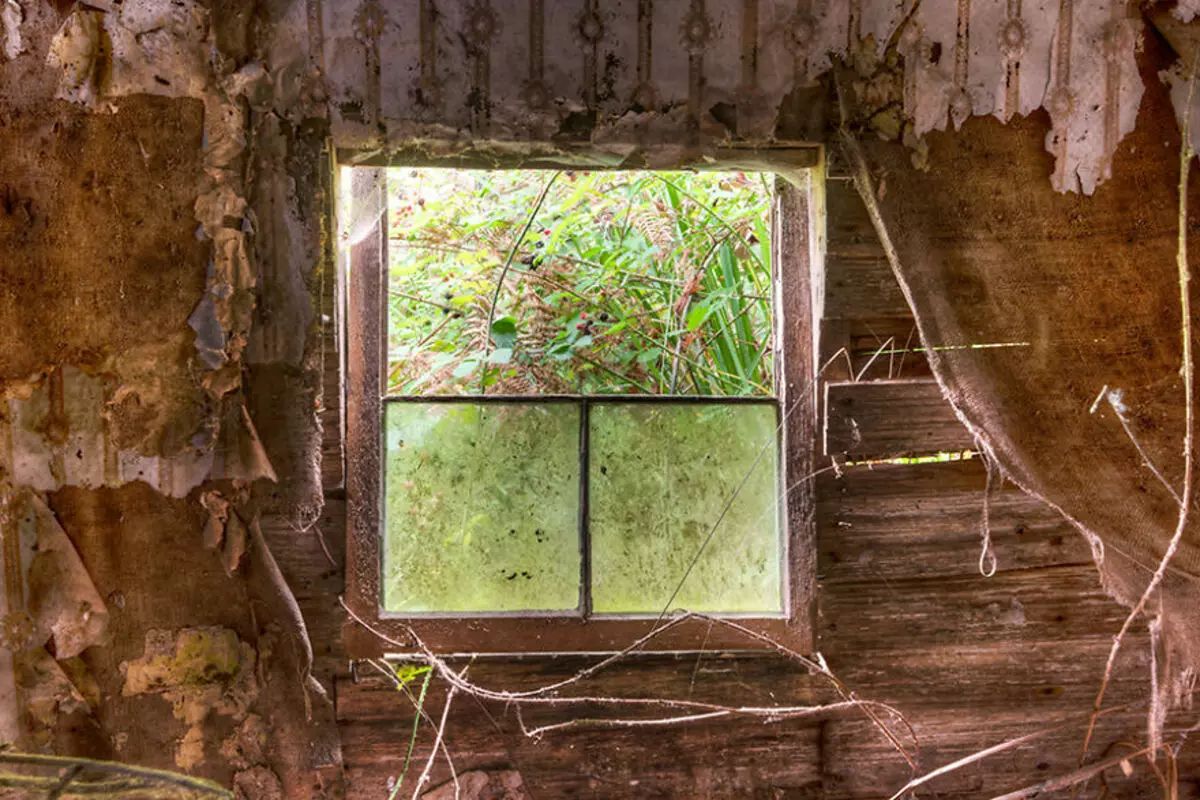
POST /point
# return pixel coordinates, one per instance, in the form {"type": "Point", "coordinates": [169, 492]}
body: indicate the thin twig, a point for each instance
{"type": "Point", "coordinates": [979, 755]}
{"type": "Point", "coordinates": [65, 782]}
{"type": "Point", "coordinates": [699, 658]}
{"type": "Point", "coordinates": [117, 787]}
{"type": "Point", "coordinates": [604, 368]}
{"type": "Point", "coordinates": [419, 705]}
{"type": "Point", "coordinates": [881, 349]}
{"type": "Point", "coordinates": [1070, 779]}
{"type": "Point", "coordinates": [724, 222]}
{"type": "Point", "coordinates": [316, 529]}
{"type": "Point", "coordinates": [424, 301]}
{"type": "Point", "coordinates": [1114, 400]}
{"type": "Point", "coordinates": [437, 743]}
{"type": "Point", "coordinates": [512, 253]}
{"type": "Point", "coordinates": [421, 714]}
{"type": "Point", "coordinates": [142, 773]}
{"type": "Point", "coordinates": [800, 712]}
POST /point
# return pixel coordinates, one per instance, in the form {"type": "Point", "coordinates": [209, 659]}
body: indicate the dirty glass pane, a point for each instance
{"type": "Point", "coordinates": [659, 477]}
{"type": "Point", "coordinates": [482, 507]}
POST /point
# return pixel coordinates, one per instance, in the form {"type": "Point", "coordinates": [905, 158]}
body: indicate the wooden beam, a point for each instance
{"type": "Point", "coordinates": [797, 378]}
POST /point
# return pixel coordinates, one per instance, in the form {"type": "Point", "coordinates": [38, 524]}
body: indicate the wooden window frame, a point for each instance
{"type": "Point", "coordinates": [795, 255]}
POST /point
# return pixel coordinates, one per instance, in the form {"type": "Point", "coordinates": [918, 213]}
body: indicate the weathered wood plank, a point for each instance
{"type": "Point", "coordinates": [315, 582]}
{"type": "Point", "coordinates": [895, 521]}
{"type": "Point", "coordinates": [705, 760]}
{"type": "Point", "coordinates": [732, 758]}
{"type": "Point", "coordinates": [799, 393]}
{"type": "Point", "coordinates": [860, 763]}
{"type": "Point", "coordinates": [858, 279]}
{"type": "Point", "coordinates": [997, 677]}
{"type": "Point", "coordinates": [859, 285]}
{"type": "Point", "coordinates": [1030, 606]}
{"type": "Point", "coordinates": [884, 419]}
{"type": "Point", "coordinates": [332, 455]}
{"type": "Point", "coordinates": [847, 222]}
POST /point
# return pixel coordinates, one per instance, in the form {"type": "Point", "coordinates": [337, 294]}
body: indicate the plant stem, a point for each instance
{"type": "Point", "coordinates": [512, 252]}
{"type": "Point", "coordinates": [419, 705]}
{"type": "Point", "coordinates": [713, 213]}
{"type": "Point", "coordinates": [1185, 496]}
{"type": "Point", "coordinates": [643, 388]}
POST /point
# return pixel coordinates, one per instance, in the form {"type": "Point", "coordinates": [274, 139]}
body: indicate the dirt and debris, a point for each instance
{"type": "Point", "coordinates": [200, 672]}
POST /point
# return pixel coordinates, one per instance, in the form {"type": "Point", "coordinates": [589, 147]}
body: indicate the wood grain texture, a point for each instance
{"type": "Point", "coordinates": [893, 522]}
{"type": "Point", "coordinates": [723, 759]}
{"type": "Point", "coordinates": [904, 617]}
{"type": "Point", "coordinates": [861, 285]}
{"type": "Point", "coordinates": [798, 387]}
{"type": "Point", "coordinates": [886, 419]}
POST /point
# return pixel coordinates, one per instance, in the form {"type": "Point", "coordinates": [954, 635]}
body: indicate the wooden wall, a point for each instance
{"type": "Point", "coordinates": [905, 617]}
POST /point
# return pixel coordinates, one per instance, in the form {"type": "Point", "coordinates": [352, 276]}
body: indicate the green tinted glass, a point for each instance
{"type": "Point", "coordinates": [659, 478]}
{"type": "Point", "coordinates": [482, 507]}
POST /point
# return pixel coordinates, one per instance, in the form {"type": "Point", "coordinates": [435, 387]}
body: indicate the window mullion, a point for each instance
{"type": "Point", "coordinates": [585, 541]}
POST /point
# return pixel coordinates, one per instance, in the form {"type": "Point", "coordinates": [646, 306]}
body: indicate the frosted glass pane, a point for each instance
{"type": "Point", "coordinates": [482, 507]}
{"type": "Point", "coordinates": [659, 477]}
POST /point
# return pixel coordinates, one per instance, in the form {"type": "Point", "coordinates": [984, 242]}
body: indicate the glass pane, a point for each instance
{"type": "Point", "coordinates": [482, 507]}
{"type": "Point", "coordinates": [660, 476]}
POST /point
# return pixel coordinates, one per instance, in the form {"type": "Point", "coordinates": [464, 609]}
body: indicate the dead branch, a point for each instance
{"type": "Point", "coordinates": [772, 714]}
{"type": "Point", "coordinates": [437, 744]}
{"type": "Point", "coordinates": [545, 695]}
{"type": "Point", "coordinates": [1070, 779]}
{"type": "Point", "coordinates": [422, 714]}
{"type": "Point", "coordinates": [979, 755]}
{"type": "Point", "coordinates": [145, 778]}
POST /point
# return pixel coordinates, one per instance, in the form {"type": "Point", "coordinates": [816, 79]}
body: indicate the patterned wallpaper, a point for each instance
{"type": "Point", "coordinates": [533, 69]}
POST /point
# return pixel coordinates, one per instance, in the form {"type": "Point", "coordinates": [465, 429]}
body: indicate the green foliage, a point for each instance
{"type": "Point", "coordinates": [649, 282]}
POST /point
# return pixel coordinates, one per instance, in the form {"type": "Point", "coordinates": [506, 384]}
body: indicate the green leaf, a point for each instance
{"type": "Point", "coordinates": [466, 368]}
{"type": "Point", "coordinates": [500, 356]}
{"type": "Point", "coordinates": [504, 332]}
{"type": "Point", "coordinates": [407, 673]}
{"type": "Point", "coordinates": [697, 316]}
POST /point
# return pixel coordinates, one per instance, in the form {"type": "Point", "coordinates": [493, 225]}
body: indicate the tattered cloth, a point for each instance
{"type": "Point", "coordinates": [989, 253]}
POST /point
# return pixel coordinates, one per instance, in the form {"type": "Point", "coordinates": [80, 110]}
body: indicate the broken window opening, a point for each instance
{"type": "Point", "coordinates": [576, 389]}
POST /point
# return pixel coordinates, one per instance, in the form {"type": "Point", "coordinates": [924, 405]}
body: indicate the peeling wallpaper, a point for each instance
{"type": "Point", "coordinates": [617, 75]}
{"type": "Point", "coordinates": [518, 70]}
{"type": "Point", "coordinates": [160, 189]}
{"type": "Point", "coordinates": [102, 53]}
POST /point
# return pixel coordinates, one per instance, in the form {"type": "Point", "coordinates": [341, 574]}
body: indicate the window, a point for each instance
{"type": "Point", "coordinates": [575, 399]}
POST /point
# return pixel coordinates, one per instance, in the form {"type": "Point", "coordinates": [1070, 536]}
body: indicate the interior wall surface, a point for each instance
{"type": "Point", "coordinates": [170, 462]}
